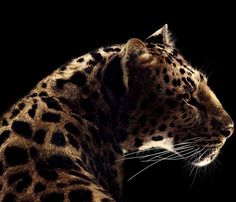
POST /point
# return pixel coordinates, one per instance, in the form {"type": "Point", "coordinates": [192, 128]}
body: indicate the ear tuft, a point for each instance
{"type": "Point", "coordinates": [162, 36]}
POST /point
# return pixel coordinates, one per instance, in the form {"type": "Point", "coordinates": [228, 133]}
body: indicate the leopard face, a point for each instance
{"type": "Point", "coordinates": [172, 106]}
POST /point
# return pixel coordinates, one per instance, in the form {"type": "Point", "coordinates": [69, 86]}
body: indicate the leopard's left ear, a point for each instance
{"type": "Point", "coordinates": [115, 75]}
{"type": "Point", "coordinates": [162, 36]}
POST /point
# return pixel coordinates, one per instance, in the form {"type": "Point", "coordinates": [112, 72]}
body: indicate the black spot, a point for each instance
{"type": "Point", "coordinates": [52, 197]}
{"type": "Point", "coordinates": [22, 128]}
{"type": "Point", "coordinates": [110, 49]}
{"type": "Point", "coordinates": [45, 171]}
{"type": "Point", "coordinates": [60, 83]}
{"type": "Point", "coordinates": [191, 81]}
{"type": "Point", "coordinates": [73, 142]}
{"type": "Point", "coordinates": [178, 82]}
{"type": "Point", "coordinates": [43, 94]}
{"type": "Point", "coordinates": [44, 85]}
{"type": "Point", "coordinates": [170, 134]}
{"type": "Point", "coordinates": [22, 180]}
{"type": "Point", "coordinates": [21, 105]}
{"type": "Point", "coordinates": [78, 79]}
{"type": "Point", "coordinates": [62, 68]}
{"type": "Point", "coordinates": [33, 95]}
{"type": "Point", "coordinates": [138, 142]}
{"type": "Point", "coordinates": [15, 156]}
{"type": "Point", "coordinates": [151, 45]}
{"type": "Point", "coordinates": [169, 92]}
{"type": "Point", "coordinates": [179, 61]}
{"type": "Point", "coordinates": [164, 70]}
{"type": "Point", "coordinates": [166, 78]}
{"type": "Point", "coordinates": [31, 113]}
{"type": "Point", "coordinates": [33, 153]}
{"type": "Point", "coordinates": [9, 197]}
{"type": "Point", "coordinates": [39, 187]}
{"type": "Point", "coordinates": [182, 71]}
{"type": "Point", "coordinates": [185, 81]}
{"type": "Point", "coordinates": [4, 122]}
{"type": "Point", "coordinates": [88, 69]}
{"type": "Point", "coordinates": [97, 57]}
{"type": "Point", "coordinates": [39, 136]}
{"type": "Point", "coordinates": [175, 52]}
{"type": "Point", "coordinates": [201, 77]}
{"type": "Point", "coordinates": [157, 138]}
{"type": "Point", "coordinates": [71, 128]}
{"type": "Point", "coordinates": [113, 77]}
{"type": "Point", "coordinates": [168, 60]}
{"type": "Point", "coordinates": [4, 136]}
{"type": "Point", "coordinates": [51, 103]}
{"type": "Point", "coordinates": [81, 194]}
{"type": "Point", "coordinates": [162, 127]}
{"type": "Point", "coordinates": [174, 82]}
{"type": "Point", "coordinates": [87, 105]}
{"type": "Point", "coordinates": [1, 168]}
{"type": "Point", "coordinates": [58, 139]}
{"type": "Point", "coordinates": [51, 117]}
{"type": "Point", "coordinates": [61, 161]}
{"type": "Point", "coordinates": [15, 112]}
{"type": "Point", "coordinates": [80, 60]}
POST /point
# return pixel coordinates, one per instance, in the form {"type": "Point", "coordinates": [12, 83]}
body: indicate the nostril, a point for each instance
{"type": "Point", "coordinates": [227, 132]}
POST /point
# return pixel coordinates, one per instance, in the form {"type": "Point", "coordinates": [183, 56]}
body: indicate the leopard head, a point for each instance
{"type": "Point", "coordinates": [166, 103]}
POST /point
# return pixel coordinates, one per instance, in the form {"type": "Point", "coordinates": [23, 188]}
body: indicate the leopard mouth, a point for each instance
{"type": "Point", "coordinates": [205, 156]}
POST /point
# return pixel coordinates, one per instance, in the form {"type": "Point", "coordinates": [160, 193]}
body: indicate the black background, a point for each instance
{"type": "Point", "coordinates": [35, 39]}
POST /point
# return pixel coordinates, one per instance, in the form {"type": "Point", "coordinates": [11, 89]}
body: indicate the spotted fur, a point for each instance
{"type": "Point", "coordinates": [61, 141]}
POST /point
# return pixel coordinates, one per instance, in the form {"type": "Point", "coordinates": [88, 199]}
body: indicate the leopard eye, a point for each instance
{"type": "Point", "coordinates": [187, 97]}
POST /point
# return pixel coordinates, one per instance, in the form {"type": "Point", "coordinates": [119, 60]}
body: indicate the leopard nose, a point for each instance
{"type": "Point", "coordinates": [227, 132]}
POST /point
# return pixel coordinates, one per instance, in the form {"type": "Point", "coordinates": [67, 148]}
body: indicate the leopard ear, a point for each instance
{"type": "Point", "coordinates": [115, 75]}
{"type": "Point", "coordinates": [134, 53]}
{"type": "Point", "coordinates": [162, 36]}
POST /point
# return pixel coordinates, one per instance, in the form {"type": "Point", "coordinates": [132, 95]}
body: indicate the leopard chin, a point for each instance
{"type": "Point", "coordinates": [206, 157]}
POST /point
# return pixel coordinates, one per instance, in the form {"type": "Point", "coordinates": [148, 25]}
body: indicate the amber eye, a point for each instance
{"type": "Point", "coordinates": [187, 97]}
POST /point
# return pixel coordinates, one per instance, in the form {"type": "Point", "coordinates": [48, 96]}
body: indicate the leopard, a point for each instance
{"type": "Point", "coordinates": [64, 140]}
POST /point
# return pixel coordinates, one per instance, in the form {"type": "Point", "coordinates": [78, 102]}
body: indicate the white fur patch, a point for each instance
{"type": "Point", "coordinates": [166, 143]}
